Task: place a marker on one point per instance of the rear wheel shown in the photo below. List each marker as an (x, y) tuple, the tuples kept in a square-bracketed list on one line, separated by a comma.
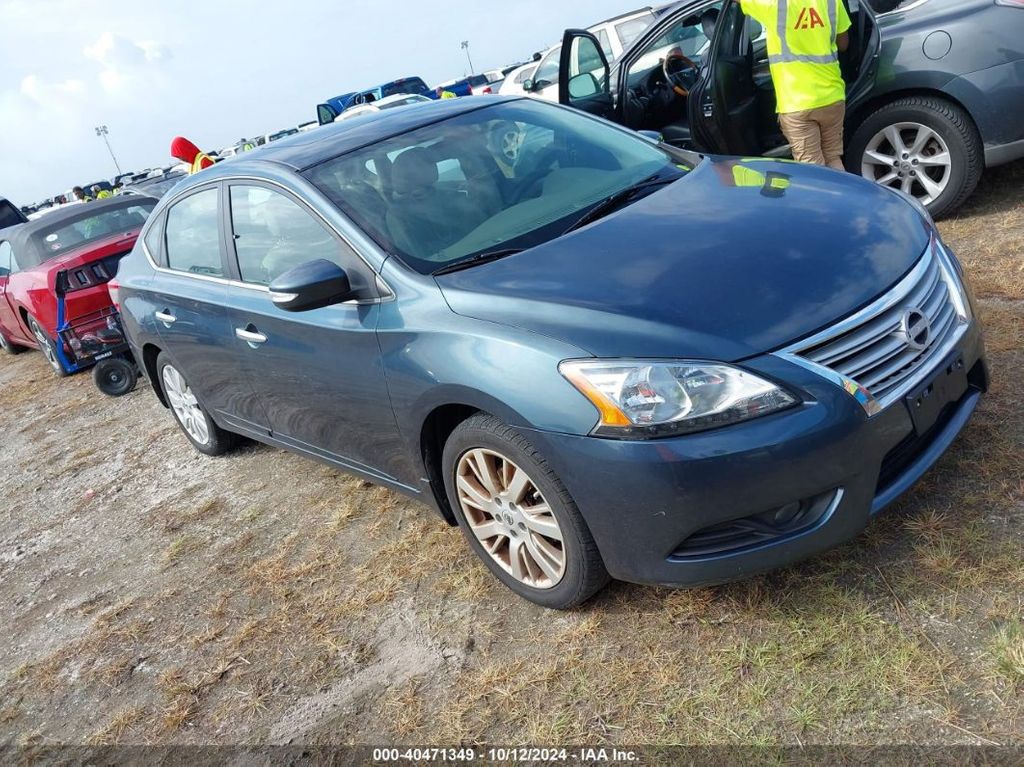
[(518, 517), (47, 346), (202, 432), (925, 147), (7, 347)]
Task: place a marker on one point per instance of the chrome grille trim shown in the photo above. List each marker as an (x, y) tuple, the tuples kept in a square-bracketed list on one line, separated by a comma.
[(866, 352)]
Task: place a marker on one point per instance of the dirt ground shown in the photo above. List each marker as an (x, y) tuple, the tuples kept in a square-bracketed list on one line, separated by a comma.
[(151, 594)]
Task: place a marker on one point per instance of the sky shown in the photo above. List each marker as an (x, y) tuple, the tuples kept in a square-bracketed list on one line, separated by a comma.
[(220, 70)]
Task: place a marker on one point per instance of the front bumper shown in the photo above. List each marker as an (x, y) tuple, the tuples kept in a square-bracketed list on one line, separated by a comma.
[(645, 502)]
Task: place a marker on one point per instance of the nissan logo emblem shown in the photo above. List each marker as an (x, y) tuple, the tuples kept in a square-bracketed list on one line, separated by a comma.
[(916, 329)]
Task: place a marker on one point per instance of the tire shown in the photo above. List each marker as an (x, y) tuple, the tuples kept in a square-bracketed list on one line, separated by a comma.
[(7, 347), (47, 346), (115, 377), (193, 420), (563, 575), (951, 126)]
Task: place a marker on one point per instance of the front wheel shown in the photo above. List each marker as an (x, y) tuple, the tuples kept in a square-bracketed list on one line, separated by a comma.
[(923, 146), (47, 346), (518, 517), (206, 436)]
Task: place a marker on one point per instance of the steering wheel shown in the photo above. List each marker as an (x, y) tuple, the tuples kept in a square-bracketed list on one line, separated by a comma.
[(680, 72)]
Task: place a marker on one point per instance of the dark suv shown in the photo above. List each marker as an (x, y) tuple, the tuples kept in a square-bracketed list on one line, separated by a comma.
[(934, 92)]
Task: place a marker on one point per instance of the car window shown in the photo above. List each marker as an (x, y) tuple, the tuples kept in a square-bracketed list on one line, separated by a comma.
[(547, 72), (192, 243), (606, 45), (525, 75), (154, 240), (273, 234), (628, 31), (685, 35), (512, 175)]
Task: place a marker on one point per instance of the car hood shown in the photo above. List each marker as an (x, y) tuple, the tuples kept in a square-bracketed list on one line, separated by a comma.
[(736, 259)]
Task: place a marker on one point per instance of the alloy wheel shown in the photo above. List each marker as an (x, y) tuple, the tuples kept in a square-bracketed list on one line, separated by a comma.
[(46, 346), (508, 515), (910, 157), (185, 405)]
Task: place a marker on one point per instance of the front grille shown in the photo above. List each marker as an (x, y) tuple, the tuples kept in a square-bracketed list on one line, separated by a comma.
[(770, 527), (876, 352)]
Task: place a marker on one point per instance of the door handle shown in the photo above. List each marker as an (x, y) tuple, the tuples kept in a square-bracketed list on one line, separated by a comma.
[(254, 339), (166, 318)]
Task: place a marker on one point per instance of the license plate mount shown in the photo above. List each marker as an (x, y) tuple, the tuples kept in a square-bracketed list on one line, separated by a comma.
[(948, 384)]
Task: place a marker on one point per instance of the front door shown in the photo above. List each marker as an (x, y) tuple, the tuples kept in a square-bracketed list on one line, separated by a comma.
[(584, 74), (724, 103), (318, 374)]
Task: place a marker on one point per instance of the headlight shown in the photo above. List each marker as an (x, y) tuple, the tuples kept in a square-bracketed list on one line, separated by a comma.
[(641, 399), (956, 280)]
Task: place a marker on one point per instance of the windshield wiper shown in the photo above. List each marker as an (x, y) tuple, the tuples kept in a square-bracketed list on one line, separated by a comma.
[(479, 258), (620, 198)]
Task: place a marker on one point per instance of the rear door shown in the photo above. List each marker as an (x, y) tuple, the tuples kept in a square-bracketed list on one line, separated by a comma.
[(584, 74), (190, 288), (318, 374)]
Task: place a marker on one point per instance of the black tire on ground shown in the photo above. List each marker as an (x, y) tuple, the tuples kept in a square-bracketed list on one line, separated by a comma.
[(7, 347), (219, 441), (47, 346), (115, 376), (955, 127), (584, 573)]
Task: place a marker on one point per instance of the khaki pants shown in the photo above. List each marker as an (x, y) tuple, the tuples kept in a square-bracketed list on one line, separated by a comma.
[(816, 135)]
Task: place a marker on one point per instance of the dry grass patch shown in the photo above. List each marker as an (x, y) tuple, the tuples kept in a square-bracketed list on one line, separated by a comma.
[(119, 725), (1007, 651)]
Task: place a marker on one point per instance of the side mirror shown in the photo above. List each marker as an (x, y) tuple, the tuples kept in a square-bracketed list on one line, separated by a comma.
[(312, 285), (583, 85), (528, 85)]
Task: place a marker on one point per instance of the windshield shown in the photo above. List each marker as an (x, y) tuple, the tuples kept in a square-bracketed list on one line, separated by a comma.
[(512, 175), (89, 224), (412, 85)]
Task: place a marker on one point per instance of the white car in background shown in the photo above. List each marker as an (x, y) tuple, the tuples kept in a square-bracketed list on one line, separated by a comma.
[(513, 85), (388, 102), (615, 35)]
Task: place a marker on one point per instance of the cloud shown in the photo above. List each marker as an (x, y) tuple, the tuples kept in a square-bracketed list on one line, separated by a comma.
[(42, 92), (125, 62)]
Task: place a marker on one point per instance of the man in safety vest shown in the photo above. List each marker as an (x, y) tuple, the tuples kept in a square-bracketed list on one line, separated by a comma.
[(100, 194), (184, 150), (805, 38)]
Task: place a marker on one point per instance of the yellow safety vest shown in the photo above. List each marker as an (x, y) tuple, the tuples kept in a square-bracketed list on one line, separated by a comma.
[(802, 50), (102, 194), (448, 95), (197, 163)]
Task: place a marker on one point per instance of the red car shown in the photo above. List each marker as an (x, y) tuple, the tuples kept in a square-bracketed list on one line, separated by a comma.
[(88, 240)]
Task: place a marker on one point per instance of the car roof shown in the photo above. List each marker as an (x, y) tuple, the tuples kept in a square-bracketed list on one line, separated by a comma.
[(304, 150)]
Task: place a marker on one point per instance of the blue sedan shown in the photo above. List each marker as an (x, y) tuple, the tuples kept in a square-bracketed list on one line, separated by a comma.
[(601, 357)]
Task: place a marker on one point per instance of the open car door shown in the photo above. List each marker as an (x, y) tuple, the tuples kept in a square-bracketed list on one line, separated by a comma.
[(723, 104), (325, 114), (583, 74)]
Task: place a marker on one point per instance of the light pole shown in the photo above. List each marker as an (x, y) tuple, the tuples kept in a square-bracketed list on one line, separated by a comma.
[(465, 47), (102, 132)]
